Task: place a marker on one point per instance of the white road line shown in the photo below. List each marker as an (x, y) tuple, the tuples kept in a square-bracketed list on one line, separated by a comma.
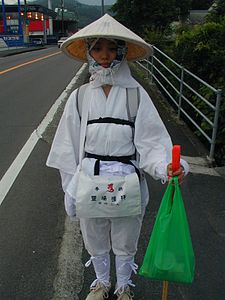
[(18, 163), (13, 171)]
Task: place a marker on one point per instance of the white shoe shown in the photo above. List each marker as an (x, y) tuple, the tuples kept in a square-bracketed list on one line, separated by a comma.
[(98, 292), (126, 294)]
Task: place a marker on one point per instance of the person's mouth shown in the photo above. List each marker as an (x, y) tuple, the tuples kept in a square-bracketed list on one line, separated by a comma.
[(105, 65)]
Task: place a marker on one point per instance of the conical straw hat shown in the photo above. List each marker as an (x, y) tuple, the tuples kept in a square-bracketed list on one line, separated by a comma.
[(106, 27)]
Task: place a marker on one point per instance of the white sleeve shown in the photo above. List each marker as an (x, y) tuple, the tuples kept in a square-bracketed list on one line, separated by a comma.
[(70, 206), (69, 202), (161, 169), (64, 153), (151, 138), (185, 166)]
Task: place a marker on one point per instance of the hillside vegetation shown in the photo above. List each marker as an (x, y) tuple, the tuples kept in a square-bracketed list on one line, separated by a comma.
[(84, 13), (199, 48)]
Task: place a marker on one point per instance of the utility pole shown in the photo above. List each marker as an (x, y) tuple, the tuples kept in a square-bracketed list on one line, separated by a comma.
[(20, 29), (25, 13), (62, 8), (26, 26), (50, 18), (4, 17), (76, 14), (103, 7)]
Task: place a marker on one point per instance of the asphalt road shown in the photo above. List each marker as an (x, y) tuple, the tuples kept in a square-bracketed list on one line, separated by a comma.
[(31, 215), (27, 93), (41, 251)]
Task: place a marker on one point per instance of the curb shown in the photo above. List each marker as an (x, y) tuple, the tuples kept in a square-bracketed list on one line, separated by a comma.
[(69, 280), (5, 53)]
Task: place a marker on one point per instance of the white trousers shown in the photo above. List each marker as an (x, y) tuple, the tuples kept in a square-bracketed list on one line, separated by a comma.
[(100, 235)]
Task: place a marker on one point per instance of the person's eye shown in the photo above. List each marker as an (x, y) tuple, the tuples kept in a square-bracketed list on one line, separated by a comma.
[(113, 49), (96, 49)]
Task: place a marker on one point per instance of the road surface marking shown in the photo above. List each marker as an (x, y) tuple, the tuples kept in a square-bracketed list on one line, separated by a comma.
[(28, 63), (15, 168)]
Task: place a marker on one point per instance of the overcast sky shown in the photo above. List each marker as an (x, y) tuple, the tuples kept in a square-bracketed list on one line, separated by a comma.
[(90, 2), (97, 2), (9, 1)]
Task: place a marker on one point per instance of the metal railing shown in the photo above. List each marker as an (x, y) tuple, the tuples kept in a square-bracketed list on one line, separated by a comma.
[(185, 89)]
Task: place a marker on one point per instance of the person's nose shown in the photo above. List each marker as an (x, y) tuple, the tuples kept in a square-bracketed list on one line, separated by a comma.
[(105, 53)]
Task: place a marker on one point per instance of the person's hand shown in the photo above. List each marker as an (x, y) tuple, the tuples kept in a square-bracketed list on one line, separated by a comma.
[(70, 206), (179, 173)]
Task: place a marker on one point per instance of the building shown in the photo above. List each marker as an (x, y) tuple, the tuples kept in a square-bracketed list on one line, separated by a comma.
[(19, 24), (197, 16)]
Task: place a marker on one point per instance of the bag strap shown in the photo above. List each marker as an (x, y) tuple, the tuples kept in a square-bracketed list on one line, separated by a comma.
[(133, 100), (125, 161), (79, 98), (84, 120)]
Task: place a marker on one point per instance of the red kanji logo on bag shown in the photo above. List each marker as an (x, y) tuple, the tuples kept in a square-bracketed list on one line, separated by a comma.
[(110, 188)]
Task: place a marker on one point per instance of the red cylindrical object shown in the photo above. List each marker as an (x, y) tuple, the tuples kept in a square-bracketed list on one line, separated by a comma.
[(175, 157)]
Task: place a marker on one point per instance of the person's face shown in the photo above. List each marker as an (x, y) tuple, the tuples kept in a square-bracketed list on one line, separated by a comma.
[(104, 52)]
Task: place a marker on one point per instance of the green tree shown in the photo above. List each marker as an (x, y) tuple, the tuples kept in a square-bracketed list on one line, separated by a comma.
[(201, 49), (217, 13), (201, 4), (123, 12), (183, 7), (138, 14)]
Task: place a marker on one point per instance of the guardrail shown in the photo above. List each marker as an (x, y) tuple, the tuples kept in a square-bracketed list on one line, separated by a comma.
[(185, 89)]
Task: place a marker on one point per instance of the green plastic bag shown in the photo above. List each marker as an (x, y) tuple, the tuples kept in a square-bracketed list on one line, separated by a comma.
[(170, 254)]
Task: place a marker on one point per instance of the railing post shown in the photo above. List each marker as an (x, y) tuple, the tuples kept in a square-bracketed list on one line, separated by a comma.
[(147, 67), (215, 124), (152, 66), (181, 91)]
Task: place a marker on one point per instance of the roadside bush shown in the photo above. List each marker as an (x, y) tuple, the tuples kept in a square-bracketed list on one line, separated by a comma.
[(201, 49), (157, 36)]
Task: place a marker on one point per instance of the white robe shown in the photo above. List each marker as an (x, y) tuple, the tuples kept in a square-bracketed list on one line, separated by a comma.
[(150, 139)]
